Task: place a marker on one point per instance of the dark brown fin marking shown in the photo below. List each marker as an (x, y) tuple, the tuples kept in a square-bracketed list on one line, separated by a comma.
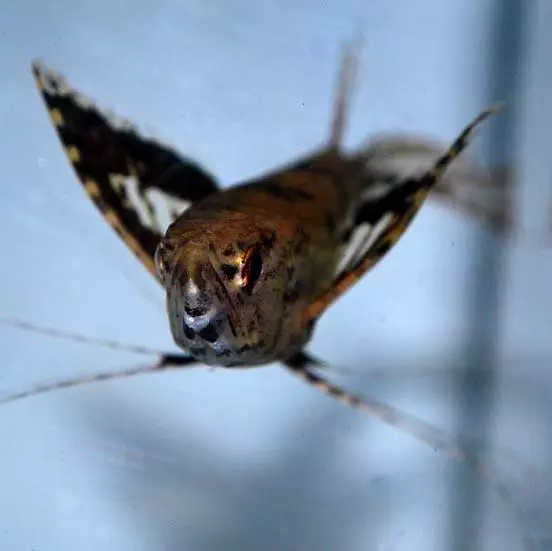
[(163, 363), (395, 211), (104, 150), (483, 194)]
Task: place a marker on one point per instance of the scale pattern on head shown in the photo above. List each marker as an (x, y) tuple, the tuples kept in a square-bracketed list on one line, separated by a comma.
[(235, 290)]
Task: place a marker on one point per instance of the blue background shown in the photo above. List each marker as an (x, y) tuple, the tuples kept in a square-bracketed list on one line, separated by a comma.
[(454, 326)]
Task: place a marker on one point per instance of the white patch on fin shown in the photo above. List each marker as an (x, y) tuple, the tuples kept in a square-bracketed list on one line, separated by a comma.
[(362, 239), (155, 208)]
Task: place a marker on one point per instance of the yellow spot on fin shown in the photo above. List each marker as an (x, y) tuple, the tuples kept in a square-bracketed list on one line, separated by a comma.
[(73, 154), (57, 117)]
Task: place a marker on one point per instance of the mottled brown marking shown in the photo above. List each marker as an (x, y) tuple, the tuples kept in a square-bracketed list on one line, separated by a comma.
[(228, 251), (229, 271), (291, 194)]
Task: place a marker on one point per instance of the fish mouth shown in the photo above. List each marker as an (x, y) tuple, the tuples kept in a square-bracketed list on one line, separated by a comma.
[(218, 309)]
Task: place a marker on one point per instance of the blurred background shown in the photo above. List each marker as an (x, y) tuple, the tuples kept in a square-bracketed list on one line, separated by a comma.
[(453, 326)]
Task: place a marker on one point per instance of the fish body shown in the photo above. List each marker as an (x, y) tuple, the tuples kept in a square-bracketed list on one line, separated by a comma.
[(249, 270), (242, 266)]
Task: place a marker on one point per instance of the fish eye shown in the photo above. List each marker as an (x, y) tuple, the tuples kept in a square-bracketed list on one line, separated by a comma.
[(251, 269)]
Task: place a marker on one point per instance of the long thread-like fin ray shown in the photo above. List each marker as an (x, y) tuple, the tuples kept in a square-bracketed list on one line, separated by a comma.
[(460, 449), (78, 337), (303, 366), (164, 363)]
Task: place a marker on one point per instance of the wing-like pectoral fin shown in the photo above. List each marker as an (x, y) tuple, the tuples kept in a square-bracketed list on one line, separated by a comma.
[(119, 168), (388, 212)]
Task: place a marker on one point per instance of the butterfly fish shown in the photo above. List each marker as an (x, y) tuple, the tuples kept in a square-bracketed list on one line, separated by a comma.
[(250, 269)]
